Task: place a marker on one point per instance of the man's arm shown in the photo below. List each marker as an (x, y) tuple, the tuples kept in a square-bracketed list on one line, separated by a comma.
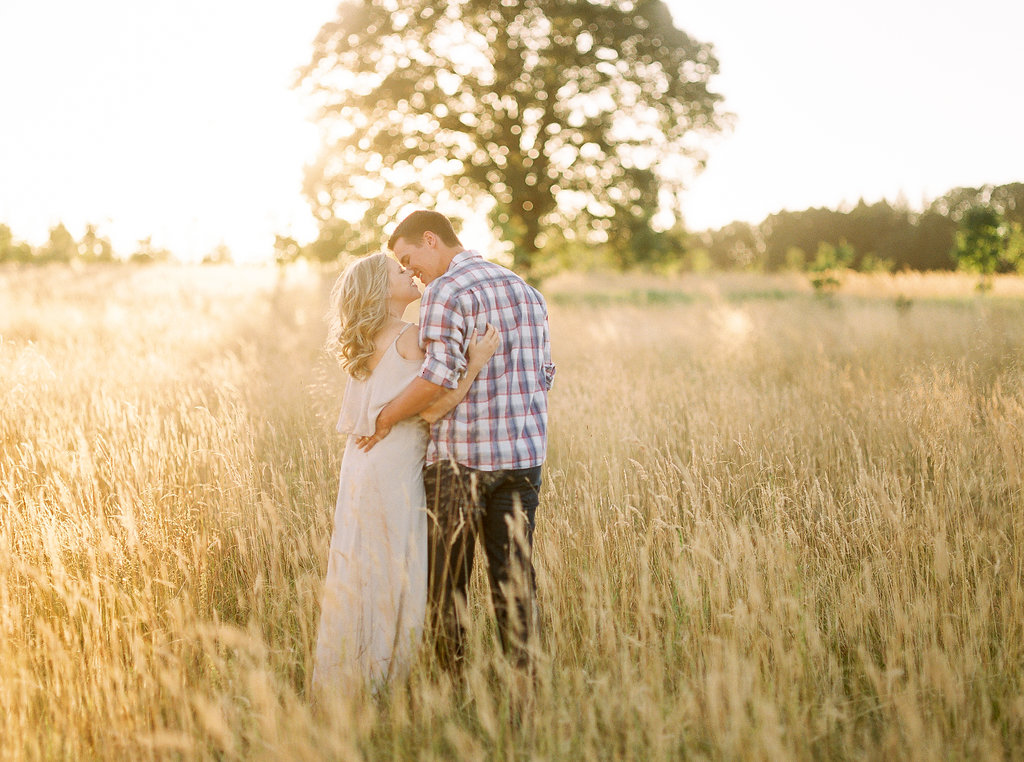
[(442, 328), (430, 401), (415, 398), (480, 350)]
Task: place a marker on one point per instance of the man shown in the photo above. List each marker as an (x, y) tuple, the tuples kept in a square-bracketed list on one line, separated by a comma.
[(483, 463)]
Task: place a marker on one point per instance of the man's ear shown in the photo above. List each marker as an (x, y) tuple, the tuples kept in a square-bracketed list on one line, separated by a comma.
[(430, 239)]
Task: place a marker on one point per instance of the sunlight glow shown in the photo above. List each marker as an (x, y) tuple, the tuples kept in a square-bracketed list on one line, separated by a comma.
[(734, 325), (147, 123), (178, 121)]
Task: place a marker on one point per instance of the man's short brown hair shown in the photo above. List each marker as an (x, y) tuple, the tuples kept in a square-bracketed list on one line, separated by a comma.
[(419, 222)]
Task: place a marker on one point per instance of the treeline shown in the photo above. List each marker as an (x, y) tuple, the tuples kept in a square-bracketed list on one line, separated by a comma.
[(977, 229), (982, 228), (92, 248), (880, 236)]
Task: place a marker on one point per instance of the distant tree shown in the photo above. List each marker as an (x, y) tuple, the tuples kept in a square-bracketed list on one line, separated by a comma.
[(338, 236), (734, 247), (219, 255), (803, 230), (987, 244), (11, 250), (147, 254), (286, 249), (95, 248), (872, 263), (59, 247), (930, 243), (828, 266), (1009, 200), (633, 240), (878, 231), (556, 110), (635, 243), (958, 201), (796, 258)]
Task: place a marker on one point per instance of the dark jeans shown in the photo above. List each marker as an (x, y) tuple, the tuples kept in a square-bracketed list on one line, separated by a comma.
[(499, 507)]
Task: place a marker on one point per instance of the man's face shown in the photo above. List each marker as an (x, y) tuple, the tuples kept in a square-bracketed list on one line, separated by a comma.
[(401, 285), (422, 257)]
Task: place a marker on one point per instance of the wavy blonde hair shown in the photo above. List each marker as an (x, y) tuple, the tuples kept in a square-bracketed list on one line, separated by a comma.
[(359, 309)]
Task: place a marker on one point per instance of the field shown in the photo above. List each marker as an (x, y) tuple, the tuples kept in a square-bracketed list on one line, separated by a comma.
[(773, 526)]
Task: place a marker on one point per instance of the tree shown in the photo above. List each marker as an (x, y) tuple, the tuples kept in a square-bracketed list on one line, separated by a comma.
[(60, 246), (804, 230), (146, 253), (555, 109), (286, 249), (1009, 200), (94, 247), (11, 250), (829, 263), (219, 255), (930, 244), (987, 244), (338, 236), (735, 247)]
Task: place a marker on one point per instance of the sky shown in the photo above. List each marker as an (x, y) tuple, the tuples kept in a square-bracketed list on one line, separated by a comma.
[(177, 120)]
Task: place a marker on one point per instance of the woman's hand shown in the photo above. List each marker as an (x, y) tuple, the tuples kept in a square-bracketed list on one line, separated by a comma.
[(482, 348)]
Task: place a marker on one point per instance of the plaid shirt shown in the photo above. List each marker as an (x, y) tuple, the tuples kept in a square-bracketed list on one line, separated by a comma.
[(502, 422)]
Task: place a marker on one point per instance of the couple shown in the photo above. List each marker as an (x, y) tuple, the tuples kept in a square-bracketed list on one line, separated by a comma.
[(411, 503)]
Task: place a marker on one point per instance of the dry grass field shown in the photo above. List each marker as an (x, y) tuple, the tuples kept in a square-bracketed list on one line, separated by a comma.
[(773, 526)]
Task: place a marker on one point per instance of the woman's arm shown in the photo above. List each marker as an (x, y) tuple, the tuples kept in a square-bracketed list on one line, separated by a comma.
[(479, 352), (434, 401)]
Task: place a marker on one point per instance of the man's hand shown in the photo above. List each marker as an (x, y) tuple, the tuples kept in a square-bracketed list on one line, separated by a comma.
[(382, 430)]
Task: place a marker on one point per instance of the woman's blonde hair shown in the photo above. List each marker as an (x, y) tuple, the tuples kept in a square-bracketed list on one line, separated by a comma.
[(359, 309)]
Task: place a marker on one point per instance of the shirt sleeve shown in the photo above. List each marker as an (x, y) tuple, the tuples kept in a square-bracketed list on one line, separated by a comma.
[(442, 337)]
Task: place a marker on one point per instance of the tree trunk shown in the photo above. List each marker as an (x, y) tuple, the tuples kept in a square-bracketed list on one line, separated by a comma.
[(524, 251)]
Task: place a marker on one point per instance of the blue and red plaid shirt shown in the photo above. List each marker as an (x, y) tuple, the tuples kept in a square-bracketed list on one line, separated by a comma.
[(502, 422)]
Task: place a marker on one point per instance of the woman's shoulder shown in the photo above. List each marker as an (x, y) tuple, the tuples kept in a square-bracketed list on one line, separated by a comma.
[(408, 343)]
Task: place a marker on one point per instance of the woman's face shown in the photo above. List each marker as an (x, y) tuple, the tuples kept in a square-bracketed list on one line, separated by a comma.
[(403, 289)]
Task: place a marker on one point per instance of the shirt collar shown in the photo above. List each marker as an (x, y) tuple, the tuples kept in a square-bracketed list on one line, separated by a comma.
[(463, 256)]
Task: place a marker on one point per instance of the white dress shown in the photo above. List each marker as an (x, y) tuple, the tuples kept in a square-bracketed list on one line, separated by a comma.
[(375, 594)]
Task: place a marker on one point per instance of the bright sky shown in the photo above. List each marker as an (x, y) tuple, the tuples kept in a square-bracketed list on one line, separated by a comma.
[(176, 119), (838, 101), (166, 118)]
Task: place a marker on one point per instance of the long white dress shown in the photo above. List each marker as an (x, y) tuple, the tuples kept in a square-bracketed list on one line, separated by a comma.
[(375, 593)]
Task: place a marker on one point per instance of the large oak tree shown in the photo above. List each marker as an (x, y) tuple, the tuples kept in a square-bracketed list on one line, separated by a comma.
[(569, 113)]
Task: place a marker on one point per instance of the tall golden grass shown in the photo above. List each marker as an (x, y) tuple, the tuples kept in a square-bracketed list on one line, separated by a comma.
[(772, 526)]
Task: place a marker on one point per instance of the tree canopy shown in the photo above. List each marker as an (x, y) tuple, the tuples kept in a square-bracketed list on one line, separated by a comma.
[(558, 110), (987, 243)]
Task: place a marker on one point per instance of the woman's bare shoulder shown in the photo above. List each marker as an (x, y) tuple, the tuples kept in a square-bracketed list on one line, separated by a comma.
[(408, 344)]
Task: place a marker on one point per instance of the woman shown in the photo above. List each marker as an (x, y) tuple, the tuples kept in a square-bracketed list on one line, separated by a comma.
[(375, 593)]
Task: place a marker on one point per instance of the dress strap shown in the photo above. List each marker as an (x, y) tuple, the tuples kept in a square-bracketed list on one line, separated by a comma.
[(394, 341), (406, 328)]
